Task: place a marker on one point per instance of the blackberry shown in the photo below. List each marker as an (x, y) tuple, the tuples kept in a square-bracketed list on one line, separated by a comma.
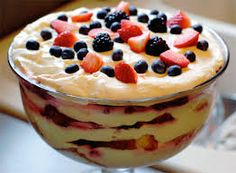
[(155, 46), (117, 16), (102, 42), (157, 24)]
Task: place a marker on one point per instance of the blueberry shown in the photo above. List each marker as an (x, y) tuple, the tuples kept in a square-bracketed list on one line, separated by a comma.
[(109, 71), (55, 51), (45, 34), (157, 24), (62, 17), (154, 12), (175, 29), (67, 53), (101, 14), (84, 30), (118, 40), (190, 56), (117, 55), (32, 45), (202, 45), (82, 53), (79, 45), (72, 68), (143, 18), (115, 26), (141, 66), (158, 66), (133, 10), (174, 70), (198, 28), (95, 24), (162, 16), (108, 9)]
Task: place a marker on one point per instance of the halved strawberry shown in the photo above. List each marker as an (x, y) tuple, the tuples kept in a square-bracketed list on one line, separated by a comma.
[(170, 57), (124, 23), (125, 73), (123, 6), (83, 17), (92, 33), (129, 31), (138, 43), (189, 38), (61, 26), (92, 62), (181, 19), (65, 39)]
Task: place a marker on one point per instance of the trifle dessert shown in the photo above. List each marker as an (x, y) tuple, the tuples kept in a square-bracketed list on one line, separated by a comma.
[(117, 87)]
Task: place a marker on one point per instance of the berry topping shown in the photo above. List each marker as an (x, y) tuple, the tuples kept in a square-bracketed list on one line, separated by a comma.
[(141, 66), (117, 55), (154, 12), (65, 39), (101, 14), (68, 53), (79, 45), (118, 39), (133, 10), (32, 45), (82, 53), (143, 18), (162, 16), (82, 17), (157, 24), (94, 32), (108, 9), (181, 19), (125, 73), (202, 45), (129, 30), (198, 28), (175, 29), (62, 17), (189, 38), (45, 34), (84, 30), (109, 71), (61, 26), (91, 63), (158, 66), (170, 57), (115, 26), (138, 43), (123, 6), (117, 16), (190, 56), (55, 51), (155, 46), (174, 70), (102, 42), (72, 68), (95, 24)]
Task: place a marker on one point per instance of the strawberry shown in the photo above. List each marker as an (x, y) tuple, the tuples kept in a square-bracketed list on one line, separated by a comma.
[(129, 31), (124, 23), (190, 38), (91, 62), (83, 17), (123, 6), (61, 26), (92, 33), (170, 57), (181, 19), (138, 43), (125, 73), (65, 39)]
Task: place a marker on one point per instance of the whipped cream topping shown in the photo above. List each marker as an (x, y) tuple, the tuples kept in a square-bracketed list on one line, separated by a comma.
[(49, 71)]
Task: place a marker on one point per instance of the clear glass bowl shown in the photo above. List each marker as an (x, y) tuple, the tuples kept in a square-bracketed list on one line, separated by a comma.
[(118, 135)]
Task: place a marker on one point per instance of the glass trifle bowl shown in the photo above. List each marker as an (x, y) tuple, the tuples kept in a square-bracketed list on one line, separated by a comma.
[(118, 135)]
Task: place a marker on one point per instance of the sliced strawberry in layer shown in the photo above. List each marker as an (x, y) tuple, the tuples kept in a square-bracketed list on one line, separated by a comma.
[(170, 57), (125, 73), (129, 31), (123, 6), (138, 43), (189, 38), (125, 23), (92, 62), (65, 39), (92, 33), (83, 17), (181, 19), (61, 26)]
